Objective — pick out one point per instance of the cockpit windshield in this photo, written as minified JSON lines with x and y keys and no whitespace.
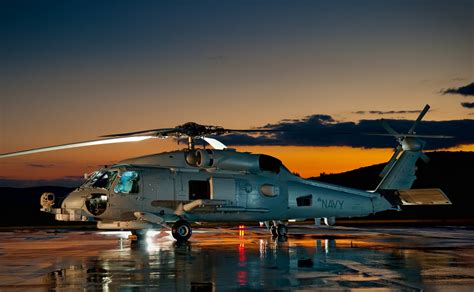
{"x":92,"y":177}
{"x":101,"y":179}
{"x":105,"y":180}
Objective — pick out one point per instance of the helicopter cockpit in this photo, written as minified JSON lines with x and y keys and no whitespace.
{"x":120,"y":181}
{"x":105,"y":181}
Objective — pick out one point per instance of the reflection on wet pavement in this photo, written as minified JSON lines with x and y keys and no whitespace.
{"x":230,"y":259}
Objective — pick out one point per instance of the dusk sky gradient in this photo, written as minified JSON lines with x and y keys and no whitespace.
{"x":75,"y":70}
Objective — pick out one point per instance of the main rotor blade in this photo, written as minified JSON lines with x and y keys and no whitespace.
{"x":422,"y":114}
{"x":216,"y":144}
{"x":411,"y":135}
{"x":157,"y":131}
{"x":76,"y":145}
{"x":424,"y":157}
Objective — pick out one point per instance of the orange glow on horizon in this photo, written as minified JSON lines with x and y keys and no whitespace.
{"x":304,"y":160}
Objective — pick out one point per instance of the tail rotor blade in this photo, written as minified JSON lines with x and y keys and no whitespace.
{"x":389,"y":129}
{"x":420,"y":117}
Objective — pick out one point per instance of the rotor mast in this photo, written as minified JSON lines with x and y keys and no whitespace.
{"x":190,"y":143}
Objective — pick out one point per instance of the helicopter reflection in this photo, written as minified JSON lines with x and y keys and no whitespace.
{"x":232,"y":262}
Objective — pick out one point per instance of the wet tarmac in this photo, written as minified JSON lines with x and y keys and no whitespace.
{"x":218,"y":259}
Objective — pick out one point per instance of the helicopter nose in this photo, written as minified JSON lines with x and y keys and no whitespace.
{"x":74,"y":200}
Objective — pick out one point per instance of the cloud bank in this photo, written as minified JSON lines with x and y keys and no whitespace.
{"x":467,"y":90}
{"x":323,"y":130}
{"x":467,"y":104}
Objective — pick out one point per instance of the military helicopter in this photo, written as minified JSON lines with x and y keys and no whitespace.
{"x":171,"y":189}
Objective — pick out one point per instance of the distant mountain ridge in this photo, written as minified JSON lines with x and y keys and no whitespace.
{"x":450,"y":171}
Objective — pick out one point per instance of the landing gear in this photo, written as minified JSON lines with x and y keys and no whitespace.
{"x":282,"y":230}
{"x":138,"y":235}
{"x":330,"y":221}
{"x":273,"y":230}
{"x":181,"y":230}
{"x":279,"y":229}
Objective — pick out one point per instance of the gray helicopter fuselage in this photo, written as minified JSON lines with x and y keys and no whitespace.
{"x":210,"y":185}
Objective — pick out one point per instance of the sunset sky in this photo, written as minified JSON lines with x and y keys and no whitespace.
{"x":75,"y":70}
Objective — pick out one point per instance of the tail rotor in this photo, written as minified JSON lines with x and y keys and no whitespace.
{"x":407,"y":142}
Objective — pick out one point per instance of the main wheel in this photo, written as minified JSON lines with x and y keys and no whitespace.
{"x":282,"y":230}
{"x":273,"y":230}
{"x":181,"y":230}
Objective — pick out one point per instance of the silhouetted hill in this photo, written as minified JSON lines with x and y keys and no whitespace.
{"x":21,"y":206}
{"x":449,"y":171}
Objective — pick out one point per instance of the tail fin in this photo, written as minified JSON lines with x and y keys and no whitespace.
{"x":399,"y":173}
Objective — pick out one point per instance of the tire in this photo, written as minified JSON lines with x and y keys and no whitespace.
{"x":273,"y":230}
{"x":181,"y":230}
{"x":139,"y":234}
{"x":282,"y":230}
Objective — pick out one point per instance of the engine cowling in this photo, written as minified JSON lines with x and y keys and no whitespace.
{"x":204,"y":158}
{"x":233,"y":161}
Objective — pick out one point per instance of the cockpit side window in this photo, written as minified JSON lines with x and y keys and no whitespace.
{"x":105,"y":179}
{"x":128,"y":183}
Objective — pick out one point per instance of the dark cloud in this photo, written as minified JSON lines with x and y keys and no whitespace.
{"x":467,"y":104}
{"x":387,"y":112}
{"x":38,"y":165}
{"x":467,"y":90}
{"x":323,"y":130}
{"x":67,"y":181}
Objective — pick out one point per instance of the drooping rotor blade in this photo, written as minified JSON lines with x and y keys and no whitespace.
{"x":191,"y":130}
{"x":388,"y":128}
{"x":155,"y":131}
{"x":253,"y":130}
{"x":392,"y":160}
{"x":420,"y":117}
{"x":76,"y":145}
{"x":216,"y":144}
{"x":411,"y":135}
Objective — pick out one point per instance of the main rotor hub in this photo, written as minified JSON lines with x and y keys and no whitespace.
{"x":196,"y":130}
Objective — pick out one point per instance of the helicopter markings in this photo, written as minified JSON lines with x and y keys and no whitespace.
{"x":331,"y":204}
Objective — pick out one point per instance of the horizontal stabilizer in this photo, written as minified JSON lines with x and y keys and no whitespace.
{"x":423,"y":197}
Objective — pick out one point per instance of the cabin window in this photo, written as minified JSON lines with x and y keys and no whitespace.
{"x":269,"y":163}
{"x":128,"y":183}
{"x":199,"y":189}
{"x":104,"y":179}
{"x":269,"y":190}
{"x":304,"y":201}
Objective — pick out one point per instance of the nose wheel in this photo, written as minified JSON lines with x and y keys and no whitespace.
{"x":138,"y":235}
{"x":181,"y":230}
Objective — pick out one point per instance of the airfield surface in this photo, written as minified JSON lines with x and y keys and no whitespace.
{"x":221,"y":259}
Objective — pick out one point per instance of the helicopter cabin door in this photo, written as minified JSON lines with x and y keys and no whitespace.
{"x":223,"y":189}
